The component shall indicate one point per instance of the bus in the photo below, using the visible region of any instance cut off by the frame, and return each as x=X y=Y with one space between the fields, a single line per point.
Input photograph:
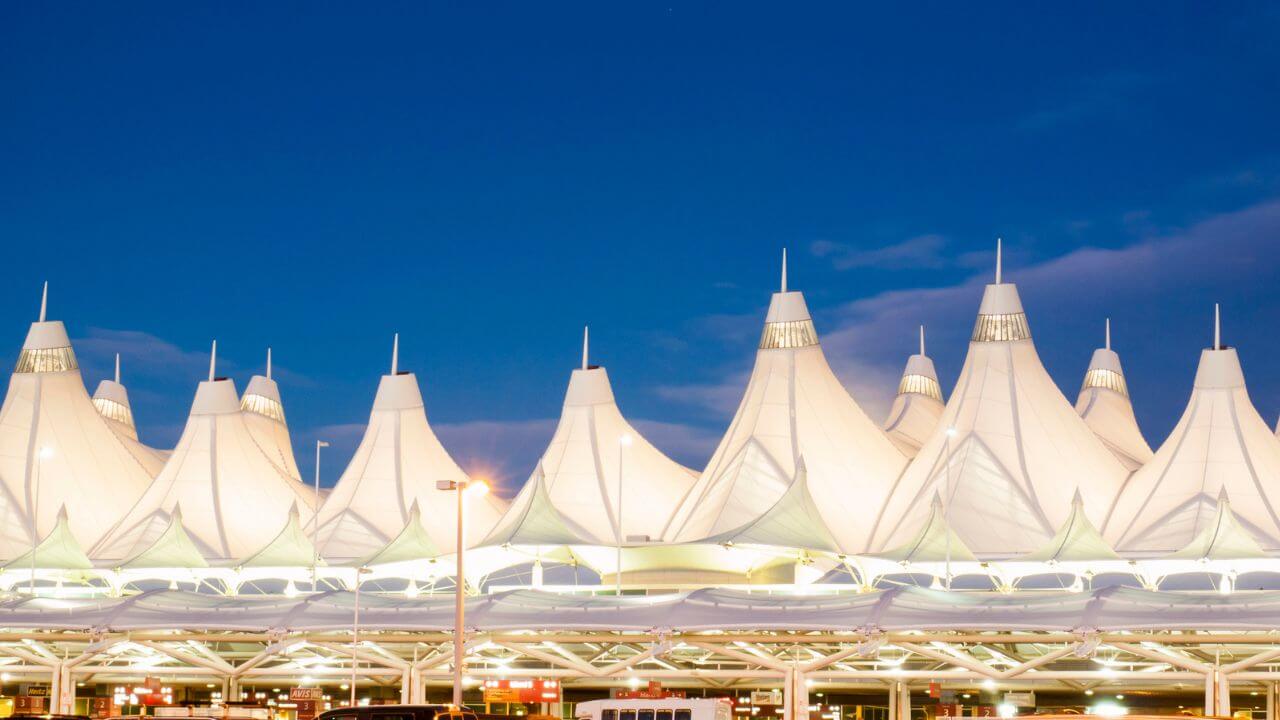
x=654 y=709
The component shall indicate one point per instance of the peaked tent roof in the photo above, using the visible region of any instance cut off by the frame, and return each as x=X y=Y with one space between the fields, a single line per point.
x=111 y=398
x=290 y=549
x=1222 y=539
x=934 y=542
x=220 y=469
x=1105 y=406
x=534 y=520
x=172 y=548
x=397 y=465
x=795 y=521
x=794 y=405
x=918 y=404
x=264 y=414
x=1078 y=540
x=1008 y=450
x=57 y=551
x=54 y=442
x=1220 y=444
x=410 y=544
x=593 y=456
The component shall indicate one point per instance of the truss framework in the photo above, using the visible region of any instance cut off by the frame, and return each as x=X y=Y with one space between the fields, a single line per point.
x=731 y=661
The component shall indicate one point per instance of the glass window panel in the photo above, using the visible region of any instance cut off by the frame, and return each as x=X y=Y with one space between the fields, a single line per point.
x=46 y=360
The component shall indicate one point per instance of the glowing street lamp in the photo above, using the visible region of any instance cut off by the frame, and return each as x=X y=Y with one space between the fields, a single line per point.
x=464 y=487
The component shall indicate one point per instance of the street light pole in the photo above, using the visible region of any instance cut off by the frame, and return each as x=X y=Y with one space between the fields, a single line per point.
x=355 y=638
x=459 y=580
x=315 y=523
x=459 y=603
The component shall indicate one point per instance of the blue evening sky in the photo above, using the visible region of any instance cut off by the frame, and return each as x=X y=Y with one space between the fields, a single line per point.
x=485 y=178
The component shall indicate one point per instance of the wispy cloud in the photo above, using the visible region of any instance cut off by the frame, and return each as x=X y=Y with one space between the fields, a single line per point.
x=859 y=337
x=921 y=251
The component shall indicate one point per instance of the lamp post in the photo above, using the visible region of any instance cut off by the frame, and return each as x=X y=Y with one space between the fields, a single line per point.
x=315 y=523
x=623 y=442
x=355 y=635
x=461 y=487
x=44 y=452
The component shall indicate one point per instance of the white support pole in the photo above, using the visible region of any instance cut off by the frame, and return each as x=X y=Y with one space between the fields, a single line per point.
x=419 y=688
x=893 y=700
x=406 y=686
x=233 y=689
x=62 y=691
x=800 y=689
x=67 y=687
x=1210 y=692
x=1224 y=695
x=1271 y=688
x=788 y=696
x=904 y=701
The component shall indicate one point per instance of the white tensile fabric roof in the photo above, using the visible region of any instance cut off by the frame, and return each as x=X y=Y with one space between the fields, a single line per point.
x=1105 y=405
x=896 y=610
x=111 y=398
x=264 y=415
x=1009 y=452
x=1220 y=445
x=794 y=408
x=594 y=454
x=918 y=404
x=54 y=444
x=396 y=466
x=234 y=499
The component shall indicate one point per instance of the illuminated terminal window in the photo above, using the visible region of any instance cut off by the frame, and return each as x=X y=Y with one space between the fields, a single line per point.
x=921 y=385
x=1103 y=378
x=113 y=410
x=799 y=333
x=46 y=360
x=1000 y=328
x=263 y=406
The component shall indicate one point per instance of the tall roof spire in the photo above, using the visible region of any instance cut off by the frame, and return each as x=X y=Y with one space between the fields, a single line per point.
x=213 y=360
x=922 y=340
x=784 y=269
x=1108 y=341
x=44 y=300
x=585 y=330
x=117 y=368
x=268 y=363
x=1217 y=328
x=395 y=353
x=999 y=258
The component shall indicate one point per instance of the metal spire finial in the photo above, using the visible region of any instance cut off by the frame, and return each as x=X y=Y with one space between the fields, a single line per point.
x=784 y=269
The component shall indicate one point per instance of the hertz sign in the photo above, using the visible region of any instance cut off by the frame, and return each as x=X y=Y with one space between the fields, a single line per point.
x=522 y=691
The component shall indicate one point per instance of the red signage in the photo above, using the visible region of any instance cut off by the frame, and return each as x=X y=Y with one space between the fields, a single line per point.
x=935 y=690
x=653 y=692
x=522 y=691
x=28 y=704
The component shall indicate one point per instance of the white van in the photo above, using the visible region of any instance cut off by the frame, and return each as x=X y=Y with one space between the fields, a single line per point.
x=663 y=709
